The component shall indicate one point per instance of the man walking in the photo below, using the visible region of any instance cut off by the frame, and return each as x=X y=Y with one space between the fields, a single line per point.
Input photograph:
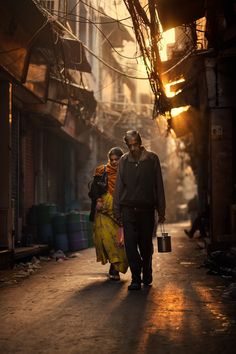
x=139 y=191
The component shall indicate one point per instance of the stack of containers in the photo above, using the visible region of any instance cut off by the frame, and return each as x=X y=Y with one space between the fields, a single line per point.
x=87 y=227
x=45 y=213
x=77 y=235
x=60 y=239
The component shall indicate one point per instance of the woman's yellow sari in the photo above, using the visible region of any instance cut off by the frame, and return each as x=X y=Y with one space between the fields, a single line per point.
x=105 y=237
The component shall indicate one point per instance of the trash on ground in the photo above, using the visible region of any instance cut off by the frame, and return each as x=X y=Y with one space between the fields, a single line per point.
x=222 y=262
x=230 y=292
x=59 y=255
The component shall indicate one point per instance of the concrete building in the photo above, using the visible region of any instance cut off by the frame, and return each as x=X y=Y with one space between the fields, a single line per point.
x=201 y=73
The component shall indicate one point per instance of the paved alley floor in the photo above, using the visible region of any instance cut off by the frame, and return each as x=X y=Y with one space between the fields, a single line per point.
x=72 y=307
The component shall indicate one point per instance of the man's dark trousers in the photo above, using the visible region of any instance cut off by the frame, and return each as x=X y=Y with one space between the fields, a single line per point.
x=138 y=232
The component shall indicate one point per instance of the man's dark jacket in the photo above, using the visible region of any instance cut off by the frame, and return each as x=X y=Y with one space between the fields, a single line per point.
x=139 y=184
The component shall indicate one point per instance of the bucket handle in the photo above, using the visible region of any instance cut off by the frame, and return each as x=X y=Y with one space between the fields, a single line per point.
x=162 y=228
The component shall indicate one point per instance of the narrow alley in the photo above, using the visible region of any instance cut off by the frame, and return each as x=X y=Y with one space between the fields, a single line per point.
x=72 y=307
x=115 y=117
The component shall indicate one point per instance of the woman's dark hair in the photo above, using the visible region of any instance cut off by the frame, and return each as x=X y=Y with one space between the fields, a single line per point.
x=115 y=151
x=132 y=134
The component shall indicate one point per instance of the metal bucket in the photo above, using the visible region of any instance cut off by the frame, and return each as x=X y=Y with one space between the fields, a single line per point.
x=164 y=242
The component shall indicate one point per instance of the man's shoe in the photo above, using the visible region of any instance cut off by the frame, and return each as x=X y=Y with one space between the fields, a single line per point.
x=134 y=286
x=147 y=282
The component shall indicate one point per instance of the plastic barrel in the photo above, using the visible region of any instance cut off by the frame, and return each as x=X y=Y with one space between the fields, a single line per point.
x=77 y=235
x=60 y=232
x=46 y=234
x=59 y=222
x=45 y=213
x=74 y=222
x=87 y=227
x=61 y=242
x=77 y=241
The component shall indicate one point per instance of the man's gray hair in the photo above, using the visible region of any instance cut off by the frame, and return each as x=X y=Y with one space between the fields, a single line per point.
x=132 y=134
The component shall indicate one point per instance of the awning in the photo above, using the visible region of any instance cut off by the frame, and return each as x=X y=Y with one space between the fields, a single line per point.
x=192 y=70
x=84 y=100
x=173 y=13
x=187 y=97
x=37 y=77
x=72 y=54
x=183 y=123
x=115 y=31
x=25 y=28
x=79 y=99
x=21 y=23
x=56 y=106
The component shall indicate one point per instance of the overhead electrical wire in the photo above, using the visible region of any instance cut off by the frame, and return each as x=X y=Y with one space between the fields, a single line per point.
x=85 y=47
x=104 y=35
x=147 y=26
x=140 y=19
x=97 y=22
x=26 y=45
x=179 y=62
x=99 y=29
x=29 y=41
x=70 y=12
x=111 y=83
x=111 y=67
x=102 y=13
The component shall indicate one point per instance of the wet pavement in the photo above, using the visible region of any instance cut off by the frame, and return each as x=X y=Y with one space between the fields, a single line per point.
x=72 y=307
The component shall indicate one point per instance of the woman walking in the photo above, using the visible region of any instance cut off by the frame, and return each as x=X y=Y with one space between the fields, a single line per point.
x=108 y=236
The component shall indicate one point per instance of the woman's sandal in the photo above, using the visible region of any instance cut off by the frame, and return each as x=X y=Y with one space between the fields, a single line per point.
x=113 y=274
x=114 y=277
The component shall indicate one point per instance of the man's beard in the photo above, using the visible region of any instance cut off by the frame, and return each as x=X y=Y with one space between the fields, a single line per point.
x=136 y=154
